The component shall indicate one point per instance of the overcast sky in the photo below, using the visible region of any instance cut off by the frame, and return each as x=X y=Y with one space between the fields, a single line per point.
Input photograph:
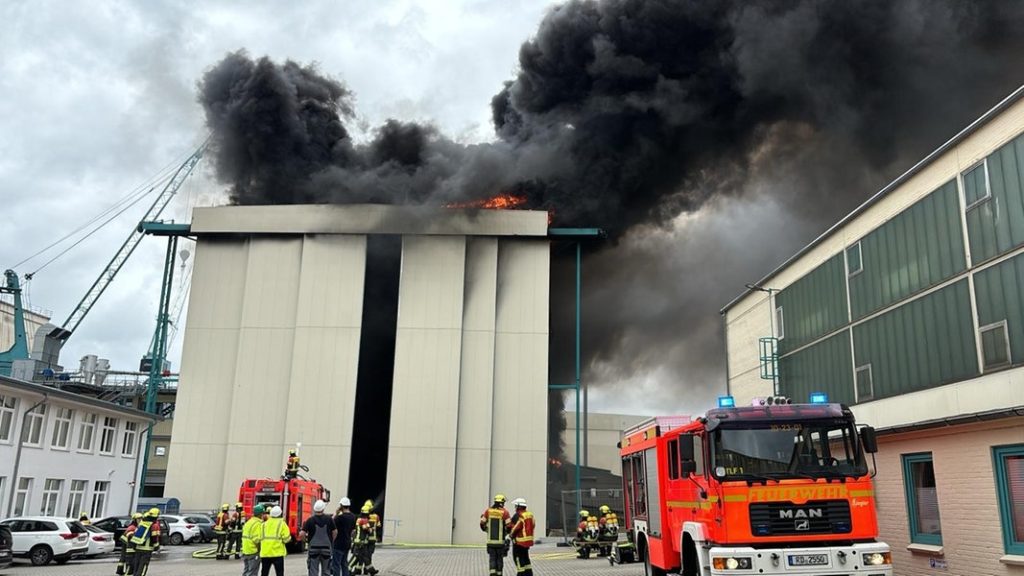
x=97 y=97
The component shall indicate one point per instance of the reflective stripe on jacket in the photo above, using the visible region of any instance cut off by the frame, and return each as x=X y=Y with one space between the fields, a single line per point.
x=522 y=532
x=274 y=534
x=251 y=534
x=496 y=523
x=147 y=535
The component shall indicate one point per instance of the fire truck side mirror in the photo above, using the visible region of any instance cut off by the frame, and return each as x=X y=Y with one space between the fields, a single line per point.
x=869 y=438
x=686 y=448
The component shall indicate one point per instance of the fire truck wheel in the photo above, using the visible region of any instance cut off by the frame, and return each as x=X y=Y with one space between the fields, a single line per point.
x=650 y=570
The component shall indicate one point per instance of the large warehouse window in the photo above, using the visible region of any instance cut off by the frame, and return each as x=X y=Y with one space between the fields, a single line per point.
x=976 y=188
x=995 y=345
x=1009 y=468
x=922 y=499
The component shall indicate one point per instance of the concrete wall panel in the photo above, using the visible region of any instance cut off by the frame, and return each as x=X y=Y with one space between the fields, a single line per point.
x=325 y=358
x=424 y=406
x=476 y=385
x=519 y=435
x=198 y=448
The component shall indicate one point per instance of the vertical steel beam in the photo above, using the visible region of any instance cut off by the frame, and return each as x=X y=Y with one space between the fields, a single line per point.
x=579 y=495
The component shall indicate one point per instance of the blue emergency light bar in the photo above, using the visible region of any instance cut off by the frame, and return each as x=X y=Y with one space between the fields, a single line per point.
x=726 y=402
x=819 y=398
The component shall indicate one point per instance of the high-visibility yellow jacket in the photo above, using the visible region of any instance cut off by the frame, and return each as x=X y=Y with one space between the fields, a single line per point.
x=252 y=531
x=147 y=536
x=274 y=534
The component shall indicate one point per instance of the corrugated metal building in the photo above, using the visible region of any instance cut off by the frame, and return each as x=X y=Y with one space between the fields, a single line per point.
x=281 y=325
x=910 y=310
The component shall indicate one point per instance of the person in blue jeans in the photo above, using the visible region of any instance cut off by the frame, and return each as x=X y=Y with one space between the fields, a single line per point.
x=344 y=523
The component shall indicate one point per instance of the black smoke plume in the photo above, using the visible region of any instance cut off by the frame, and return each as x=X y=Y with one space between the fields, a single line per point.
x=709 y=138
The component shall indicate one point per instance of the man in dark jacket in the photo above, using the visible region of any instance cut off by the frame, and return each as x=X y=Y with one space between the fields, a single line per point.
x=344 y=524
x=318 y=533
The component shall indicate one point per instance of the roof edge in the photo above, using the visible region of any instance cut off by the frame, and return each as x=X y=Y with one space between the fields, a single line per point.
x=57 y=393
x=899 y=181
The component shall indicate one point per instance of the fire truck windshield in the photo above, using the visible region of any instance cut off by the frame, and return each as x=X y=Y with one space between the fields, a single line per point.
x=774 y=451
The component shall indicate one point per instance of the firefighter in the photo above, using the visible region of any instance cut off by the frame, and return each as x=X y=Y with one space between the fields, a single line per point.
x=221 y=527
x=496 y=523
x=274 y=534
x=145 y=541
x=362 y=562
x=235 y=525
x=586 y=534
x=124 y=565
x=291 y=469
x=522 y=538
x=251 y=533
x=374 y=530
x=608 y=530
x=84 y=519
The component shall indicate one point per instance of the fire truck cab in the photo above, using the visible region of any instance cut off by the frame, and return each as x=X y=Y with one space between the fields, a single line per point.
x=295 y=497
x=776 y=488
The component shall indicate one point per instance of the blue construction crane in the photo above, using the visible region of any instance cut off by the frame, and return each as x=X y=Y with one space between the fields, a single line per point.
x=106 y=276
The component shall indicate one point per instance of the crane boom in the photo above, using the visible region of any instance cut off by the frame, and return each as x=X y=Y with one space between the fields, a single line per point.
x=130 y=244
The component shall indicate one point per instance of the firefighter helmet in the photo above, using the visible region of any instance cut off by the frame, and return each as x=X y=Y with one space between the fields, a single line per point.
x=291 y=452
x=499 y=498
x=584 y=514
x=605 y=509
x=224 y=507
x=137 y=515
x=238 y=506
x=519 y=503
x=366 y=509
x=259 y=510
x=152 y=513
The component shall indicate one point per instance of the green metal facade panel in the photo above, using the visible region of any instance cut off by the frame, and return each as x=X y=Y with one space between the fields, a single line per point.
x=996 y=225
x=813 y=305
x=921 y=344
x=999 y=295
x=824 y=367
x=917 y=249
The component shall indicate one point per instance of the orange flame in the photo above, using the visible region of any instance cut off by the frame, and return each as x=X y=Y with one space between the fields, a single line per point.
x=499 y=202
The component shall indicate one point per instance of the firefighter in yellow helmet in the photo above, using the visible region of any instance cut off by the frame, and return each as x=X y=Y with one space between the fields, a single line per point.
x=235 y=524
x=362 y=562
x=145 y=541
x=608 y=534
x=496 y=522
x=375 y=529
x=124 y=565
x=221 y=527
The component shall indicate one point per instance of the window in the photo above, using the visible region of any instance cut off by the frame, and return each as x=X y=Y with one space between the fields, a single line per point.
x=922 y=499
x=108 y=435
x=51 y=494
x=21 y=497
x=33 y=427
x=854 y=262
x=86 y=430
x=976 y=186
x=3 y=485
x=698 y=454
x=780 y=323
x=995 y=345
x=131 y=431
x=1009 y=469
x=7 y=406
x=865 y=383
x=62 y=428
x=99 y=499
x=76 y=498
x=161 y=451
x=673 y=459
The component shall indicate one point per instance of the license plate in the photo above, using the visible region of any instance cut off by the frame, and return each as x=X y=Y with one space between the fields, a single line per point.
x=809 y=560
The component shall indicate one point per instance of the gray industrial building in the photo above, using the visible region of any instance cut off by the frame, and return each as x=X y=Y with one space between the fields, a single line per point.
x=289 y=340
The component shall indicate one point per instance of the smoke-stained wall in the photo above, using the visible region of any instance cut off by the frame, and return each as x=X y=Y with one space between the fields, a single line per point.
x=272 y=357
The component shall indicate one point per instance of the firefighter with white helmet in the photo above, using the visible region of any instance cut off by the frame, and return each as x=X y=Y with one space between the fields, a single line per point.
x=496 y=523
x=522 y=537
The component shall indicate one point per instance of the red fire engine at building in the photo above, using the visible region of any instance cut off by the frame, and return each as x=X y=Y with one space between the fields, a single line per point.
x=295 y=497
x=776 y=488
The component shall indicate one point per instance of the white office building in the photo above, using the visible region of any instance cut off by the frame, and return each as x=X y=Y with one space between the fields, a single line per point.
x=62 y=454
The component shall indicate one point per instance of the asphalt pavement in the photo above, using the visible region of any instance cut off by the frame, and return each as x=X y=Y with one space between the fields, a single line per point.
x=548 y=560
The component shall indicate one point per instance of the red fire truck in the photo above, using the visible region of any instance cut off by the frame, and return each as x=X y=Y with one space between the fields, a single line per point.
x=775 y=488
x=295 y=497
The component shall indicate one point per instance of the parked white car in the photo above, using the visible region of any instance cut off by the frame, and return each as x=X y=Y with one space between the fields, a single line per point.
x=45 y=538
x=101 y=542
x=181 y=531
